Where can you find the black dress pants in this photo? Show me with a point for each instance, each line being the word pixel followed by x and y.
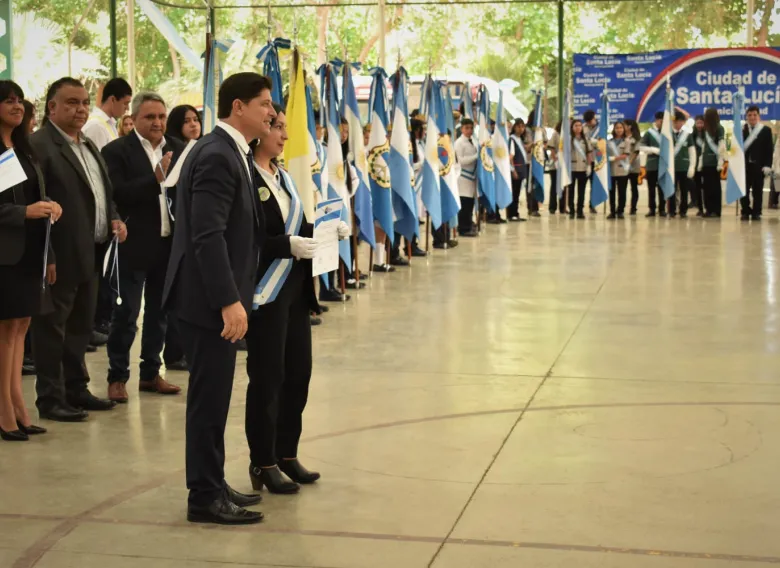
pixel 634 180
pixel 279 368
pixel 579 180
pixel 173 352
pixel 618 189
pixel 654 189
pixel 466 214
pixel 60 340
pixel 754 186
pixel 698 190
pixel 713 196
pixel 212 364
pixel 514 208
pixel 554 193
pixel 681 184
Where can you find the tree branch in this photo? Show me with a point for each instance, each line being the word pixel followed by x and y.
pixel 390 25
pixel 766 17
pixel 175 62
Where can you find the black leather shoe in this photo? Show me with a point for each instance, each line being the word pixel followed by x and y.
pixel 222 511
pixel 88 401
pixel 98 339
pixel 399 261
pixel 756 217
pixel 28 367
pixel 273 479
pixel 315 320
pixel 651 214
pixel 295 471
pixel 180 365
pixel 241 499
pixel 13 436
pixel 62 413
pixel 452 243
pixel 91 348
pixel 417 251
pixel 31 430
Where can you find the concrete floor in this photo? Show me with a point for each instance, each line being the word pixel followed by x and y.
pixel 554 394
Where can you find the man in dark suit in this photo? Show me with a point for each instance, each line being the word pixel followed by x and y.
pixel 76 178
pixel 210 283
pixel 138 164
pixel 759 151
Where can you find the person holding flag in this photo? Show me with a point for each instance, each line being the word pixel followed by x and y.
pixel 467 154
pixel 503 167
pixel 581 158
pixel 736 178
pixel 520 143
pixel 450 199
pixel 600 181
pixel 666 156
pixel 430 181
pixel 759 151
pixel 684 164
pixel 538 158
pixel 486 183
pixel 650 148
pixel 618 149
pixel 713 157
pixel 562 154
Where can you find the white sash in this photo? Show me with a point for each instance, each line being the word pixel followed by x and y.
pixel 711 143
pixel 276 275
pixel 753 135
pixel 680 142
pixel 519 143
pixel 624 163
pixel 656 136
pixel 578 147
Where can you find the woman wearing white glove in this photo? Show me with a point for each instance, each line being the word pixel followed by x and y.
pixel 279 336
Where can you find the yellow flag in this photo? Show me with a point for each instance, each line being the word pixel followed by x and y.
pixel 296 150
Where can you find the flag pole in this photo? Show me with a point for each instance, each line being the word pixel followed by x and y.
pixel 427 232
pixel 355 241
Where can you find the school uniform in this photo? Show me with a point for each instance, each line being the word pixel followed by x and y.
pixel 580 148
pixel 520 163
pixel 684 170
pixel 619 169
pixel 758 164
pixel 634 171
pixel 552 146
pixel 697 190
pixel 712 158
pixel 650 144
pixel 466 152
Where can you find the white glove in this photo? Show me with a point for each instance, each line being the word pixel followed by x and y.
pixel 653 150
pixel 720 164
pixel 691 171
pixel 302 247
pixel 767 171
pixel 344 231
pixel 588 171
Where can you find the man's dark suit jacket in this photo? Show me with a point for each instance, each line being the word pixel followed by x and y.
pixel 219 230
pixel 73 236
pixel 762 148
pixel 137 196
pixel 277 245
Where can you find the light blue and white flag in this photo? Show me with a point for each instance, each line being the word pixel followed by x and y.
pixel 467 102
pixel 538 151
pixel 357 156
pixel 431 181
pixel 563 178
pixel 600 181
pixel 269 57
pixel 212 79
pixel 736 181
pixel 486 183
pixel 316 155
pixel 169 32
pixel 399 161
pixel 379 153
pixel 503 167
pixel 450 198
pixel 666 157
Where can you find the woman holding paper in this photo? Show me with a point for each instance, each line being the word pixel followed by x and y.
pixel 24 211
pixel 279 336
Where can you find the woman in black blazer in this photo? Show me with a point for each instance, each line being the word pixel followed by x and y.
pixel 279 336
pixel 23 211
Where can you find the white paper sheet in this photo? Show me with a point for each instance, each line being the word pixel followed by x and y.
pixel 326 233
pixel 11 171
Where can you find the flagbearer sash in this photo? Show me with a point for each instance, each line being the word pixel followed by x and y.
pixel 274 278
pixel 470 175
pixel 753 135
pixel 519 143
pixel 580 150
pixel 680 142
pixel 711 143
pixel 656 136
pixel 625 163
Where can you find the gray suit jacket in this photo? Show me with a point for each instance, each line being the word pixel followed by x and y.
pixel 73 236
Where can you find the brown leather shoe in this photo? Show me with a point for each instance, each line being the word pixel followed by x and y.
pixel 117 392
pixel 158 385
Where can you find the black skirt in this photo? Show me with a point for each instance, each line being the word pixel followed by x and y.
pixel 21 291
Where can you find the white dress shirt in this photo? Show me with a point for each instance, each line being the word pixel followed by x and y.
pixel 100 128
pixel 274 182
pixel 238 138
pixel 467 154
pixel 155 156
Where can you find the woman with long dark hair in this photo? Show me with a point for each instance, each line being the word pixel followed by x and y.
pixel 581 158
pixel 633 136
pixel 24 209
pixel 184 123
pixel 698 177
pixel 712 160
pixel 619 150
pixel 279 357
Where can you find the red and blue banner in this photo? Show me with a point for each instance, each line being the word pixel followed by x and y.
pixel 700 78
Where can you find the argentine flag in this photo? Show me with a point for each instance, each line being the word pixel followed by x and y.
pixel 538 151
pixel 431 182
pixel 379 153
pixel 315 157
pixel 357 151
pixel 600 183
pixel 501 157
pixel 401 172
pixel 450 199
pixel 269 57
pixel 465 99
pixel 486 183
pixel 736 180
pixel 666 157
pixel 212 79
pixel 564 148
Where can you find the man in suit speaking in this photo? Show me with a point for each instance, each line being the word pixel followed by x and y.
pixel 210 283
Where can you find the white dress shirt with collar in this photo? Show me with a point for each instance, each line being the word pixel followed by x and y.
pixel 238 138
pixel 274 182
pixel 155 156
pixel 100 128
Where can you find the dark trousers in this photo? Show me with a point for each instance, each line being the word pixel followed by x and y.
pixel 773 195
pixel 713 196
pixel 619 187
pixel 514 208
pixel 654 189
pixel 755 186
pixel 530 195
pixel 698 190
pixel 554 193
pixel 681 185
pixel 579 180
pixel 466 214
pixel 634 180
pixel 60 340
pixel 173 352
pixel 105 304
pixel 279 368
pixel 135 285
pixel 212 364
pixel 440 236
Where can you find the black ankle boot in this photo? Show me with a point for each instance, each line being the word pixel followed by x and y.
pixel 295 471
pixel 273 479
